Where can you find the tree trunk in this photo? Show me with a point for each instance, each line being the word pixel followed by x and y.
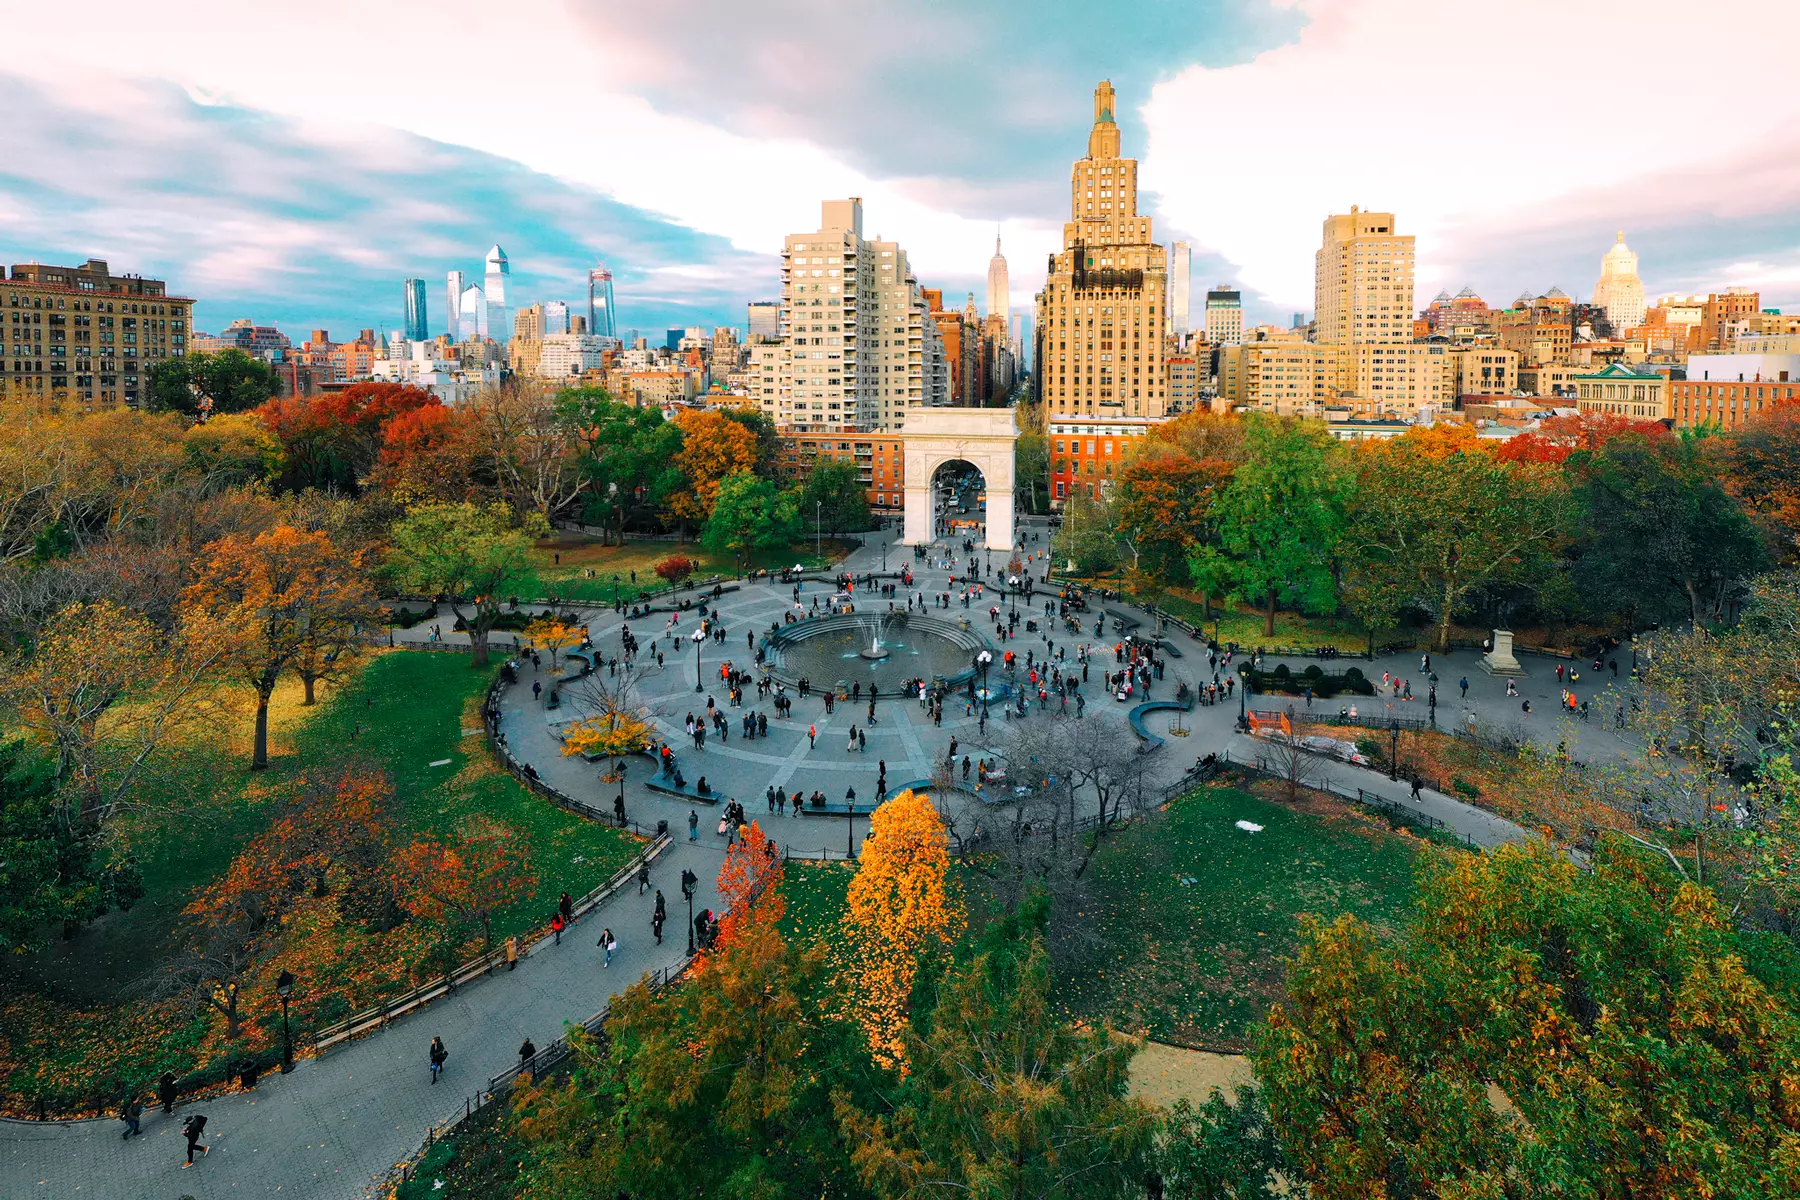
pixel 307 679
pixel 259 755
pixel 1269 619
pixel 1443 641
pixel 478 636
pixel 1693 601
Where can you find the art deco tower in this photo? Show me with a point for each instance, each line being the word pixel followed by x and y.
pixel 1620 292
pixel 999 292
pixel 1101 315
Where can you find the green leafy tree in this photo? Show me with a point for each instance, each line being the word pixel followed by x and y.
pixel 627 458
pixel 834 496
pixel 1223 1150
pixel 473 556
pixel 1088 536
pixel 52 868
pixel 1440 526
pixel 1031 468
pixel 228 381
pixel 1279 520
pixel 1003 1099
pixel 1661 538
pixel 749 514
pixel 1537 1030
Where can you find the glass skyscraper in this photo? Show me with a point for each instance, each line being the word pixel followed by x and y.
pixel 417 329
pixel 498 295
pixel 600 303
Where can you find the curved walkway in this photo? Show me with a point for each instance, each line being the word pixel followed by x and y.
pixel 338 1122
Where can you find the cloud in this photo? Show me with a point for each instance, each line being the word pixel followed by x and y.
pixel 260 216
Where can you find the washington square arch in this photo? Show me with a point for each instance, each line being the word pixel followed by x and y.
pixel 981 437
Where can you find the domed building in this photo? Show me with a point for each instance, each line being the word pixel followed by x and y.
pixel 1620 292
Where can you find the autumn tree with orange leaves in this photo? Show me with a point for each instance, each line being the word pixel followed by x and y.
pixel 465 880
pixel 750 885
pixel 432 454
pixel 900 909
pixel 712 447
pixel 266 601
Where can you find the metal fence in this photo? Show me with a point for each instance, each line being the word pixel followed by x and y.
pixel 1397 812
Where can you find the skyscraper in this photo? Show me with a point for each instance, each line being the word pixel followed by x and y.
pixel 999 292
pixel 600 303
pixel 1179 259
pixel 1224 316
pixel 471 315
pixel 556 317
pixel 765 319
pixel 1620 292
pixel 417 328
pixel 1102 308
pixel 453 309
pixel 498 290
pixel 1363 281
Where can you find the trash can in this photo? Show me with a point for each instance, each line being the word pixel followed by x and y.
pixel 662 829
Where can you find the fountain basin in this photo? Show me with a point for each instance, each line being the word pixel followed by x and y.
pixel 884 651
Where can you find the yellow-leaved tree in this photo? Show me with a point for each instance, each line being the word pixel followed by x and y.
pixel 614 732
pixel 553 634
pixel 900 909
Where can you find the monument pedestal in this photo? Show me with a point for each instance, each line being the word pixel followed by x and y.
pixel 1500 660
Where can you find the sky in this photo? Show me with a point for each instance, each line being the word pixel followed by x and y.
pixel 292 163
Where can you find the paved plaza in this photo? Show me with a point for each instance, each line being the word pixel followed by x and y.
pixel 340 1121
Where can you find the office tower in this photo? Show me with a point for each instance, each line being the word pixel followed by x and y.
pixel 1179 261
pixel 600 303
pixel 117 327
pixel 556 317
pixel 765 319
pixel 471 315
pixel 999 292
pixel 416 328
pixel 453 309
pixel 1225 316
pixel 498 292
pixel 1620 292
pixel 1102 307
pixel 1363 281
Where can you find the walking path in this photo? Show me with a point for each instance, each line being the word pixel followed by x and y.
pixel 334 1124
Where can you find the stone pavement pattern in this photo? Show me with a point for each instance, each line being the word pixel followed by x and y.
pixel 336 1123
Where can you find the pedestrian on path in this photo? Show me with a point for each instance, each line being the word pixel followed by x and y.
pixel 1415 787
pixel 812 736
pixel 566 907
pixel 609 943
pixel 131 1112
pixel 438 1054
pixel 619 808
pixel 1465 687
pixel 512 953
pixel 527 1052
pixel 693 826
pixel 643 878
pixel 193 1127
pixel 165 1087
pixel 556 927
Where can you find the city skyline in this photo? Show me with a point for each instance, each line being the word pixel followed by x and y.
pixel 265 196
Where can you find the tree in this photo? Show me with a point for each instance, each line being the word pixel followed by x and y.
pixel 1763 461
pixel 1557 438
pixel 103 689
pixel 1441 525
pixel 483 868
pixel 432 454
pixel 1004 1100
pixel 899 910
pixel 1611 1008
pixel 227 381
pixel 473 556
pixel 554 634
pixel 713 446
pixel 265 602
pixel 332 440
pixel 1279 520
pixel 1661 538
pixel 749 514
pixel 1224 1150
pixel 534 445
pixel 1087 538
pixel 626 458
pixel 674 569
pixel 834 495
pixel 1031 467
pixel 51 870
pixel 1164 507
pixel 230 451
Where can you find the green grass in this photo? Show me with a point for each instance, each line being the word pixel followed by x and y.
pixel 1197 962
pixel 1246 626
pixel 815 895
pixel 568 579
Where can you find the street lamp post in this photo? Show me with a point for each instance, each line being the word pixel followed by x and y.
pixel 688 879
pixel 284 987
pixel 818 526
pixel 1394 748
pixel 1243 701
pixel 849 831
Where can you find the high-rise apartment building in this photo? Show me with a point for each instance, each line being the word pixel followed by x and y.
pixel 1102 311
pixel 999 288
pixel 455 285
pixel 1224 316
pixel 84 335
pixel 1363 281
pixel 471 315
pixel 765 319
pixel 498 290
pixel 1620 292
pixel 600 303
pixel 1722 311
pixel 417 329
pixel 556 317
pixel 1180 257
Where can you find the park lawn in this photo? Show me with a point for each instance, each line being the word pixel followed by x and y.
pixel 1245 625
pixel 567 579
pixel 1200 913
pixel 402 711
pixel 816 895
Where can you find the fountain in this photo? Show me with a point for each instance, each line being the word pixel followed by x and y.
pixel 876 650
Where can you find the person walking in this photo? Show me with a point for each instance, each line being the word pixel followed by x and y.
pixel 131 1112
pixel 1415 786
pixel 165 1087
pixel 609 944
pixel 193 1128
pixel 566 907
pixel 556 927
pixel 693 826
pixel 527 1052
pixel 812 736
pixel 512 953
pixel 438 1054
pixel 658 916
pixel 1464 685
pixel 643 878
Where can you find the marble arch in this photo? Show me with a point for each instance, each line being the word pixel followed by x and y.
pixel 982 437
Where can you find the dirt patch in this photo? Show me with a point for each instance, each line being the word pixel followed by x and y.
pixel 1161 1074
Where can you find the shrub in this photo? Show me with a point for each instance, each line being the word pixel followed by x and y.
pixel 1369 748
pixel 1355 675
pixel 1314 672
pixel 1463 787
pixel 1281 671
